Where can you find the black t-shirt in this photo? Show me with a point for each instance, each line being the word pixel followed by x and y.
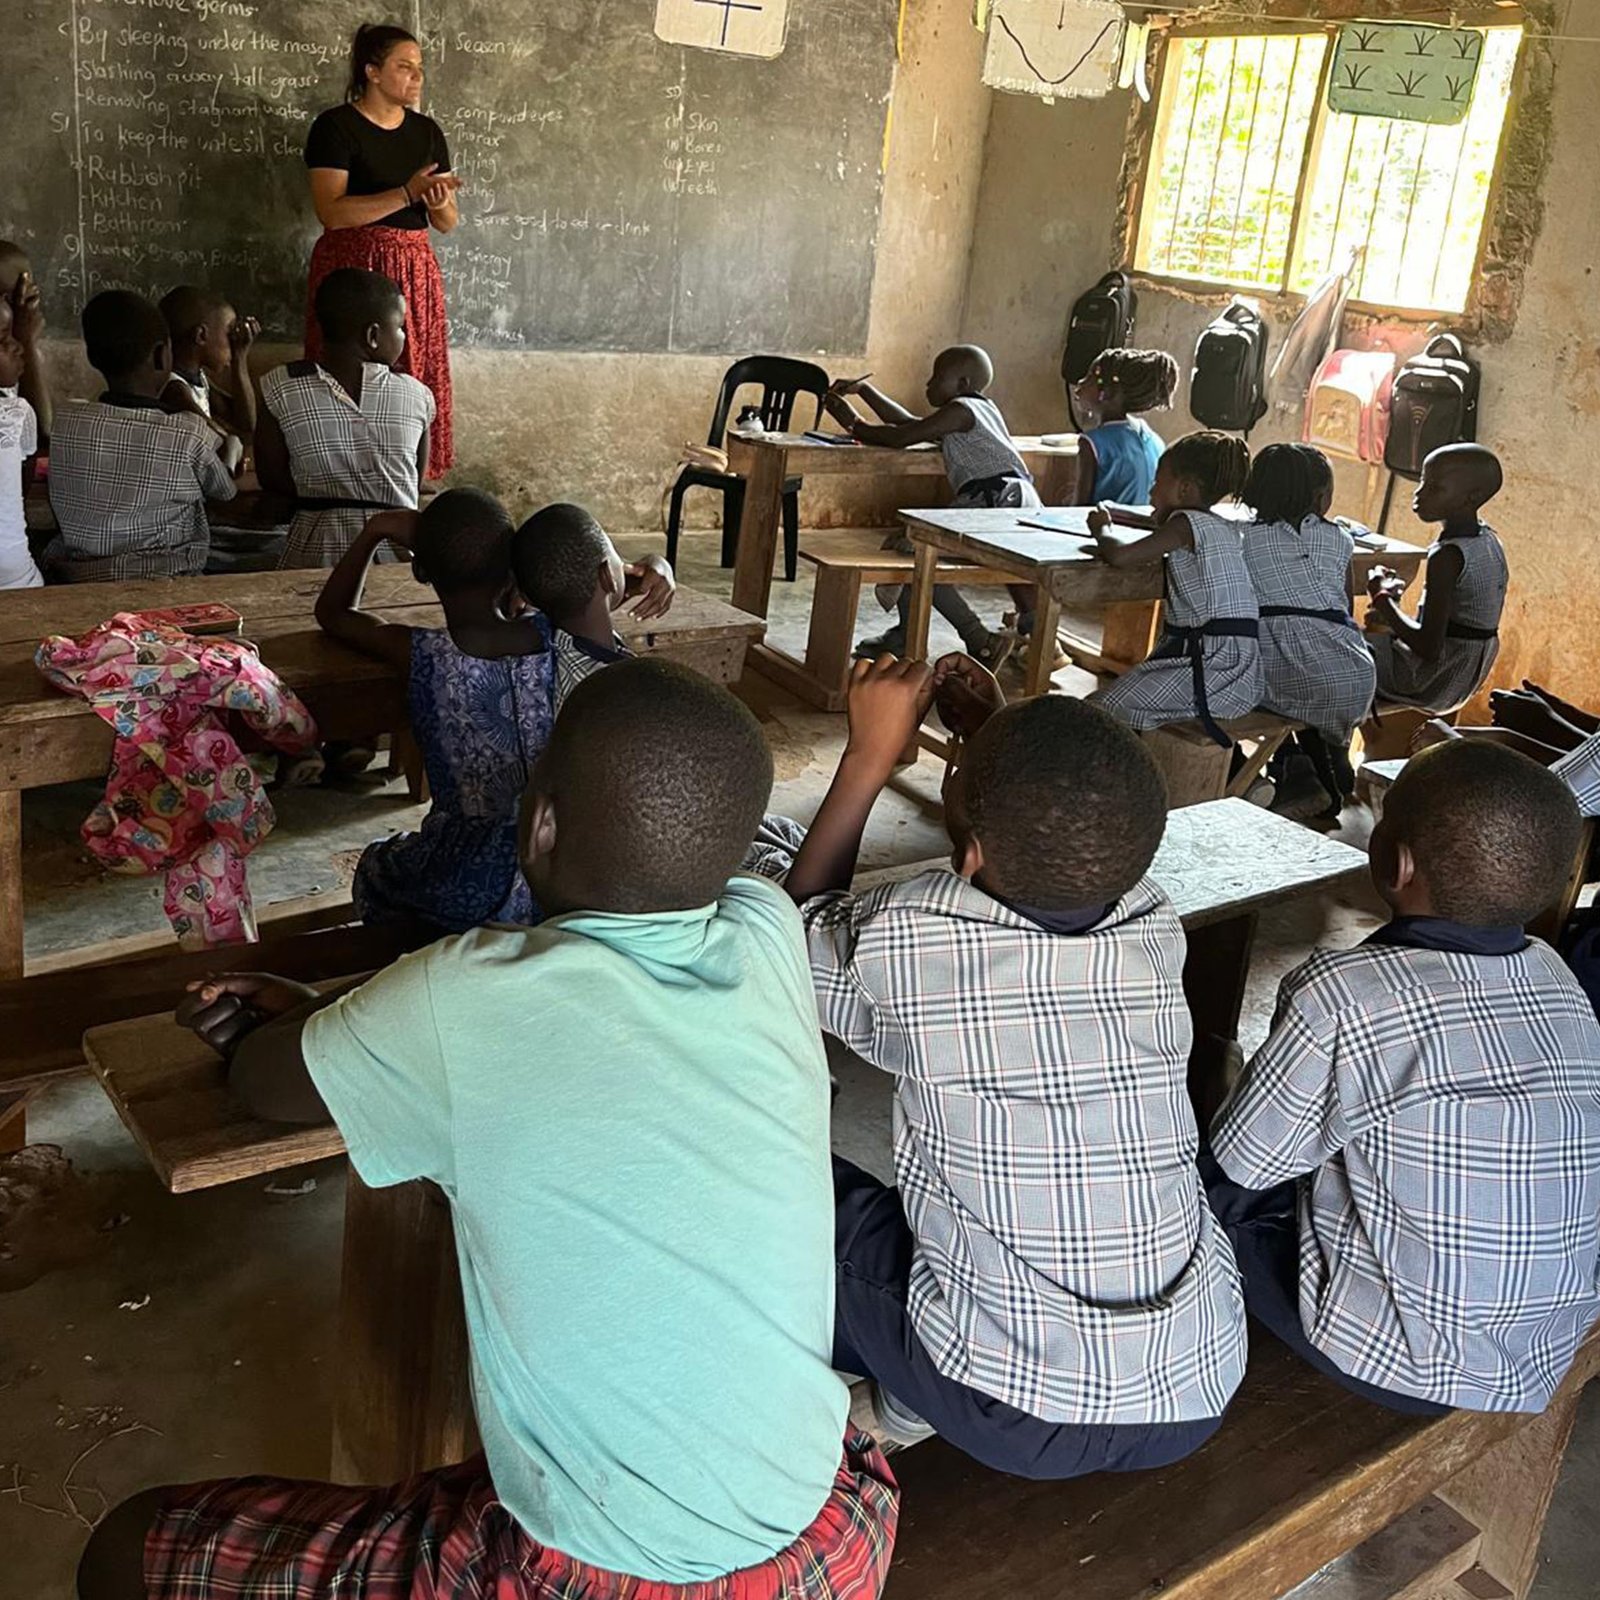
pixel 378 158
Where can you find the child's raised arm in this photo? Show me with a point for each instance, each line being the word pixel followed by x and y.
pixel 339 610
pixel 888 700
pixel 27 326
pixel 1439 578
pixel 241 400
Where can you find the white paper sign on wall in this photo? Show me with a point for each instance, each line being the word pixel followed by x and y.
pixel 737 27
pixel 1054 48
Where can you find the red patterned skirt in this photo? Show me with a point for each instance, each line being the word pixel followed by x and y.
pixel 444 1536
pixel 406 256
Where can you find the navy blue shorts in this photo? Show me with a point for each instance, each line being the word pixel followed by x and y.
pixel 873 1338
pixel 1265 1229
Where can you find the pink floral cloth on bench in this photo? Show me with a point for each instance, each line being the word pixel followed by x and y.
pixel 182 798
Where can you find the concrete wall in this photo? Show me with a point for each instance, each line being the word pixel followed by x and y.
pixel 1048 224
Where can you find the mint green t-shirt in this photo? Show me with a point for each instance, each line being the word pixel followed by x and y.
pixel 629 1115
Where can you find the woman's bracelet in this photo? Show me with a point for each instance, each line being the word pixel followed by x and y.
pixel 405 189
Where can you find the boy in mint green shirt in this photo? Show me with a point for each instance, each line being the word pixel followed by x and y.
pixel 627 1108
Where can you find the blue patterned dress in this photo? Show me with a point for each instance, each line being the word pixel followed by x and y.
pixel 481 725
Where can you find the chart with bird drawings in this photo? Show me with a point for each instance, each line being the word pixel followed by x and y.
pixel 1054 48
pixel 619 192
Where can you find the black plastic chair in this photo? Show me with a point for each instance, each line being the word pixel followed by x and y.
pixel 782 382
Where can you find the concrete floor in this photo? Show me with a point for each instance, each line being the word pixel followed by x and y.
pixel 146 1337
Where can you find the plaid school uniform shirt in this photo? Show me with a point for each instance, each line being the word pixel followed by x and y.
pixel 128 485
pixel 364 454
pixel 1442 1113
pixel 1579 769
pixel 1066 1259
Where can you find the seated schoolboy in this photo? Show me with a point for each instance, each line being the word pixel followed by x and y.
pixel 1410 1165
pixel 1440 658
pixel 649 1316
pixel 22 316
pixel 211 366
pixel 980 461
pixel 567 569
pixel 348 435
pixel 19 445
pixel 1047 1287
pixel 128 481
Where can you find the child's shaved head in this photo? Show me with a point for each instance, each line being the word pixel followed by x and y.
pixel 968 363
pixel 121 332
pixel 557 556
pixel 1492 834
pixel 1475 467
pixel 648 794
pixel 1066 802
pixel 463 542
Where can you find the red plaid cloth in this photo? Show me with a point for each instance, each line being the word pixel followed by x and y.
pixel 405 256
pixel 444 1536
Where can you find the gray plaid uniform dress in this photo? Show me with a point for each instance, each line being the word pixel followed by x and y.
pixel 1317 672
pixel 1205 584
pixel 341 451
pixel 1463 664
pixel 129 485
pixel 1580 771
pixel 1442 1113
pixel 1066 1259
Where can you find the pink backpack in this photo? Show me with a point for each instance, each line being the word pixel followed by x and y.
pixel 1347 406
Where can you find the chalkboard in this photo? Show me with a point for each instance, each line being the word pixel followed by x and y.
pixel 620 193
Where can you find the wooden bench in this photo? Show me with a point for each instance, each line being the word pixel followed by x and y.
pixel 1387 734
pixel 845 559
pixel 1300 1474
pixel 1197 768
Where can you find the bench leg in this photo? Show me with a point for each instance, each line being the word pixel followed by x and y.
pixel 1214 976
pixel 10 883
pixel 1507 1492
pixel 1254 765
pixel 404 1401
pixel 833 625
pixel 1192 770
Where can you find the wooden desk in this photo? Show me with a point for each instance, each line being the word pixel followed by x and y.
pixel 49 737
pixel 766 462
pixel 1063 569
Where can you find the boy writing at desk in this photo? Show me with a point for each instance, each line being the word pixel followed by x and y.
pixel 1047 1288
pixel 641 1204
pixel 979 458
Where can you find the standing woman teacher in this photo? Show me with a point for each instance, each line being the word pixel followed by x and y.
pixel 380 179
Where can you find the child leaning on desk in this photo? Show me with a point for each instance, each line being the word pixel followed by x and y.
pixel 980 460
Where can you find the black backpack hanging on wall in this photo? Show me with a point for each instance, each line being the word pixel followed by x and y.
pixel 1435 403
pixel 1228 387
pixel 1102 319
